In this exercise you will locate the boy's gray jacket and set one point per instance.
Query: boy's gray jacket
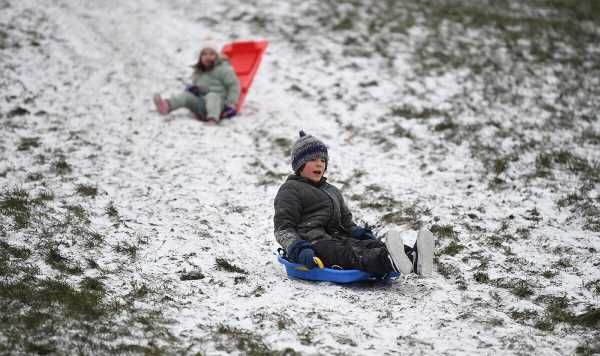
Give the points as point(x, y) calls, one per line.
point(220, 79)
point(310, 211)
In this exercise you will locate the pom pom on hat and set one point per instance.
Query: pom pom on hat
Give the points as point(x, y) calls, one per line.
point(209, 43)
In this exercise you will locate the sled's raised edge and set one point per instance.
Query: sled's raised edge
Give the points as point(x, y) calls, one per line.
point(244, 57)
point(296, 270)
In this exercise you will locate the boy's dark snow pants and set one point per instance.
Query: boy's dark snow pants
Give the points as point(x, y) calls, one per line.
point(367, 255)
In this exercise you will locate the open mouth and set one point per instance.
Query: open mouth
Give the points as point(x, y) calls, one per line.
point(317, 172)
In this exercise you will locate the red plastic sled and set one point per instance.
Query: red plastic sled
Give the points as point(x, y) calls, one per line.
point(245, 58)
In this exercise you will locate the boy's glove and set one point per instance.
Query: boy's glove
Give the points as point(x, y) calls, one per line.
point(228, 111)
point(307, 258)
point(196, 90)
point(362, 233)
point(301, 252)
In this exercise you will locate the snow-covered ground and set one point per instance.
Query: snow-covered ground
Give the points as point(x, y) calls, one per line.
point(433, 118)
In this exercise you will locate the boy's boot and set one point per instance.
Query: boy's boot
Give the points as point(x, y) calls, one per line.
point(395, 247)
point(422, 253)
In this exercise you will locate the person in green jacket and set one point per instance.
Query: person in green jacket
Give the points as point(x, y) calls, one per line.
point(214, 91)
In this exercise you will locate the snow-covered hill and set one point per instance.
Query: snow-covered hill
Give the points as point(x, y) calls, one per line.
point(122, 231)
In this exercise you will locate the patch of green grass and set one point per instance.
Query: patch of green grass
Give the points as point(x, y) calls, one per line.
point(546, 161)
point(284, 144)
point(369, 201)
point(18, 111)
point(481, 277)
point(258, 291)
point(549, 274)
point(519, 287)
point(591, 136)
point(562, 263)
point(34, 176)
point(343, 25)
point(588, 349)
point(446, 125)
point(77, 212)
point(444, 231)
point(62, 167)
point(234, 340)
point(557, 311)
point(191, 276)
point(126, 248)
point(61, 263)
point(590, 318)
point(17, 252)
point(92, 284)
point(50, 293)
point(523, 315)
point(594, 286)
point(87, 190)
point(112, 211)
point(409, 112)
point(283, 322)
point(385, 142)
point(18, 205)
point(568, 200)
point(305, 336)
point(26, 143)
point(43, 196)
point(584, 206)
point(400, 131)
point(410, 215)
point(543, 165)
point(450, 271)
point(501, 165)
point(374, 188)
point(223, 264)
point(533, 215)
point(523, 233)
point(452, 249)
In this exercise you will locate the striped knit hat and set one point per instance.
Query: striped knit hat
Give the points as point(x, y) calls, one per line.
point(306, 148)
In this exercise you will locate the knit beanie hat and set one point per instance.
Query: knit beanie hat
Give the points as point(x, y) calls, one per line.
point(306, 148)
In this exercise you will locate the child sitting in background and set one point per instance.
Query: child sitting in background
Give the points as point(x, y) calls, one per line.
point(213, 94)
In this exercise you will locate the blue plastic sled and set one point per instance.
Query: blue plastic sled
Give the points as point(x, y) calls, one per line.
point(296, 270)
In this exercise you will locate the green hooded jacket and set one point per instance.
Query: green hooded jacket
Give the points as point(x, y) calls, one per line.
point(220, 79)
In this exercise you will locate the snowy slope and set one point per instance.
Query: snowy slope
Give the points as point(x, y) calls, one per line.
point(187, 194)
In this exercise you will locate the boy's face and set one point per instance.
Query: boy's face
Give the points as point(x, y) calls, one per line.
point(313, 170)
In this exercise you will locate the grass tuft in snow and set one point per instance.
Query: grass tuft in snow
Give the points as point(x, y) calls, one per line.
point(450, 271)
point(18, 205)
point(519, 287)
point(443, 231)
point(127, 248)
point(594, 286)
point(481, 277)
point(411, 215)
point(223, 264)
point(62, 167)
point(231, 340)
point(26, 143)
point(44, 196)
point(558, 311)
point(87, 190)
point(61, 263)
point(452, 249)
